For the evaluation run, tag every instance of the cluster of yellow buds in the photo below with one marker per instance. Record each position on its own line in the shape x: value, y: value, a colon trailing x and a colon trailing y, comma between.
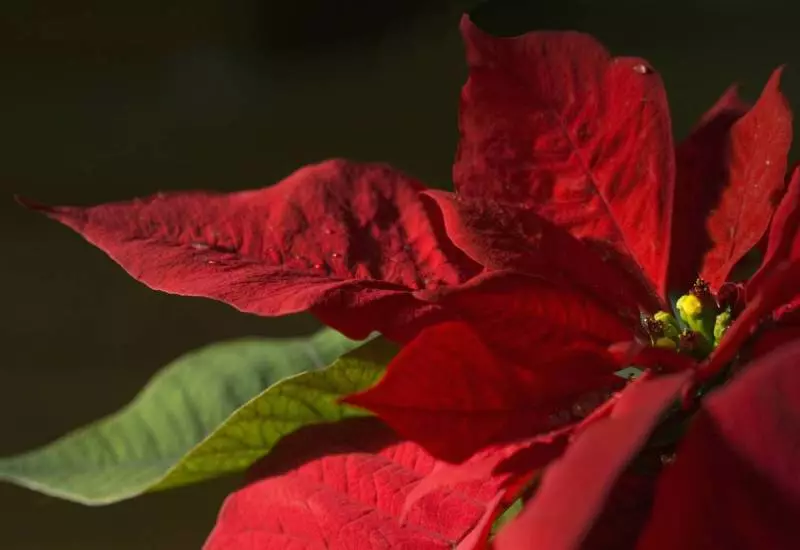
x: 697, y: 327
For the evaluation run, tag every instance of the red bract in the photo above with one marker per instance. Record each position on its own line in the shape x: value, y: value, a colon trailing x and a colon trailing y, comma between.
x: 345, y: 486
x: 525, y: 147
x: 450, y: 391
x: 573, y: 489
x: 351, y: 242
x: 784, y: 236
x: 741, y: 459
x: 732, y: 484
x: 552, y: 122
x: 520, y: 295
x: 564, y: 171
x: 733, y: 170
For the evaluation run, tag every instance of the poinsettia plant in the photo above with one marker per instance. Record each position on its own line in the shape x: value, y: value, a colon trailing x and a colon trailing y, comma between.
x: 592, y: 342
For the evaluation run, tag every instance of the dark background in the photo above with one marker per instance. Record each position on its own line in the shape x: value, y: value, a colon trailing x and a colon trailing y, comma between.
x: 109, y: 100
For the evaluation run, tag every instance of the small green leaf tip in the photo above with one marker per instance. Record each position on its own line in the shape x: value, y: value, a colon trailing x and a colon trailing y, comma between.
x: 721, y: 324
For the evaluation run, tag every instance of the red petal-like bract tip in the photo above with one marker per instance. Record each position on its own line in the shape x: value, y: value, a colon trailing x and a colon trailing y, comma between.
x: 550, y: 121
x: 701, y: 176
x: 783, y: 243
x: 574, y: 488
x: 351, y: 240
x: 734, y: 482
x: 524, y: 351
x: 756, y: 163
x: 343, y: 486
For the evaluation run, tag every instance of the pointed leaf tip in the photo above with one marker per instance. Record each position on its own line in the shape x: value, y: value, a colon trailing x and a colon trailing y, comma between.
x: 351, y: 242
x: 29, y: 203
x: 182, y: 427
x: 547, y: 117
x: 753, y: 169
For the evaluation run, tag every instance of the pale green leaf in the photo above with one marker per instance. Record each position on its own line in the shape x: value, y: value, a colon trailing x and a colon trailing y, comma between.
x: 161, y: 439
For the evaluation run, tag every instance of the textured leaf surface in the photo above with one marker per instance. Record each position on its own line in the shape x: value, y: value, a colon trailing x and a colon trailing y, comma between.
x: 550, y: 120
x: 701, y: 177
x: 512, y: 237
x: 521, y: 318
x: 512, y: 464
x: 574, y: 489
x: 459, y: 387
x: 146, y: 444
x: 337, y: 235
x: 735, y: 483
x: 344, y: 486
x: 307, y: 398
x: 756, y: 167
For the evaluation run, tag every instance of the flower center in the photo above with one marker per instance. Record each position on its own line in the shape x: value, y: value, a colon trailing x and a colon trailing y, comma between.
x: 697, y: 326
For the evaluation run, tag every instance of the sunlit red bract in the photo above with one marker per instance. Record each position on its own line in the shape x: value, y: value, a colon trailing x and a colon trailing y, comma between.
x: 519, y: 296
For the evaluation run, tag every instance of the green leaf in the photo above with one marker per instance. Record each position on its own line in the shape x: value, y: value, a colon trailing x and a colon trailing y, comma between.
x: 510, y: 513
x: 184, y: 426
x: 308, y: 398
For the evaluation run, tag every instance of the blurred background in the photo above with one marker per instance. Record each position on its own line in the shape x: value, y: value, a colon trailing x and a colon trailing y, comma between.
x: 108, y: 100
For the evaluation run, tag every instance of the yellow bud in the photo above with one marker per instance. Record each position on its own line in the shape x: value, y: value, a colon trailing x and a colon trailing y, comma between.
x: 689, y: 306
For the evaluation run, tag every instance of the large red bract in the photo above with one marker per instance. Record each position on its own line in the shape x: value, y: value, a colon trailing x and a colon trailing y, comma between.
x: 345, y: 486
x: 518, y: 296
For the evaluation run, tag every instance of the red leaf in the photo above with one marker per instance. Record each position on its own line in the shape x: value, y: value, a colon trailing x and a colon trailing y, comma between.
x: 549, y: 120
x: 783, y: 243
x: 734, y: 483
x: 574, y: 488
x: 335, y: 235
x: 520, y: 317
x: 757, y: 160
x: 511, y: 237
x: 511, y: 464
x: 459, y: 387
x: 783, y: 328
x: 772, y: 339
x: 344, y: 485
x: 627, y: 508
x: 701, y: 175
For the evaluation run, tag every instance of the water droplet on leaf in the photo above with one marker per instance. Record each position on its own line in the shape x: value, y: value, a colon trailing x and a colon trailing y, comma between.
x: 579, y: 410
x: 336, y: 255
x: 212, y: 262
x: 641, y: 68
x: 199, y: 246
